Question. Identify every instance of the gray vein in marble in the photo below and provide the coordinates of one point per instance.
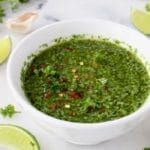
(41, 4)
(51, 18)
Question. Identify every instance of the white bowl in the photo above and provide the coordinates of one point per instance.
(79, 133)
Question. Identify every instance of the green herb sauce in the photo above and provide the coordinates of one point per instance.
(86, 80)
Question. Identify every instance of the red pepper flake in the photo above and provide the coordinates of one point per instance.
(76, 95)
(102, 109)
(72, 114)
(49, 82)
(105, 88)
(64, 90)
(53, 106)
(42, 66)
(68, 49)
(47, 95)
(90, 109)
(58, 66)
(89, 87)
(32, 68)
(63, 79)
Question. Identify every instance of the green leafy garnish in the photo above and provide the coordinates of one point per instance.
(49, 70)
(8, 111)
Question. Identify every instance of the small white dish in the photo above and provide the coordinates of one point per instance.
(78, 133)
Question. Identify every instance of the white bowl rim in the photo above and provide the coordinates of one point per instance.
(32, 109)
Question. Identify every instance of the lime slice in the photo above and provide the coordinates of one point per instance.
(141, 20)
(16, 138)
(5, 48)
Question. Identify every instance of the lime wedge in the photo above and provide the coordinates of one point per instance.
(141, 20)
(5, 48)
(16, 138)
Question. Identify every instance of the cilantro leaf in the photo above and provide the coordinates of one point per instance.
(8, 111)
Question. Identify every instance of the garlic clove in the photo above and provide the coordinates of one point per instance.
(23, 23)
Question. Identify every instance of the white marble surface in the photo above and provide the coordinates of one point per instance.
(57, 10)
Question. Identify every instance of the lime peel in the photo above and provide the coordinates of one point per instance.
(5, 48)
(17, 138)
(141, 20)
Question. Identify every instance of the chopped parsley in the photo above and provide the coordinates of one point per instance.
(86, 80)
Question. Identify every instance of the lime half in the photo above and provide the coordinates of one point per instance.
(16, 138)
(5, 48)
(141, 20)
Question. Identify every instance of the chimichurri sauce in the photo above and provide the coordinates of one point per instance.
(86, 80)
